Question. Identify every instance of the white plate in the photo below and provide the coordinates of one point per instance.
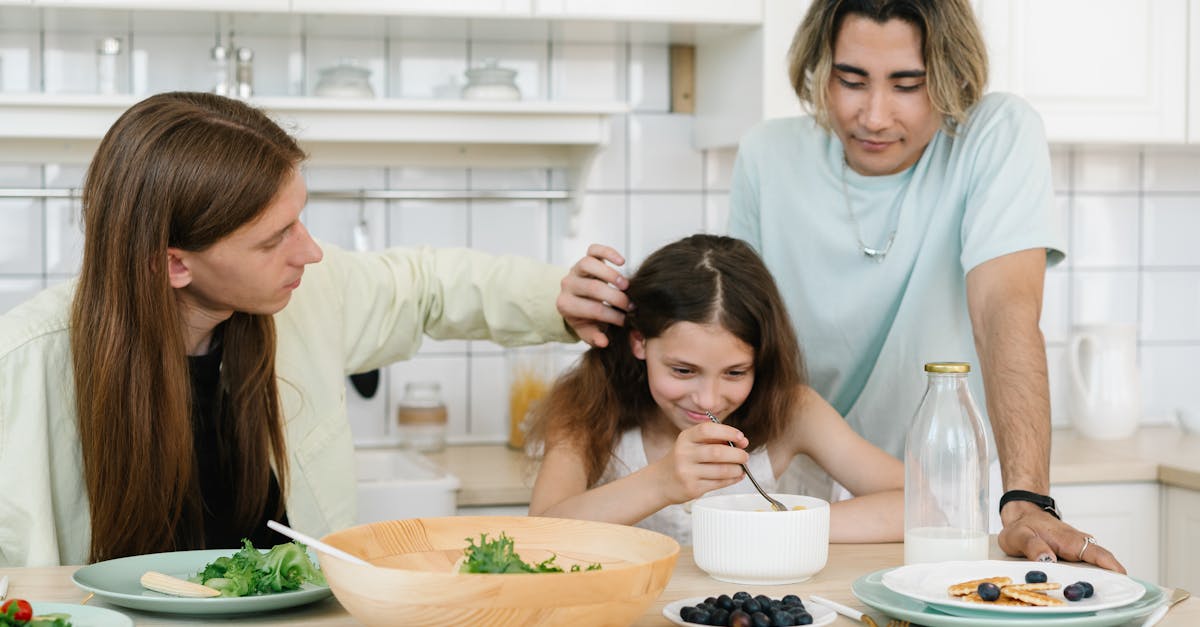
(928, 583)
(83, 615)
(821, 614)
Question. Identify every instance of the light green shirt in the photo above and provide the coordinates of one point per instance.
(868, 328)
(353, 312)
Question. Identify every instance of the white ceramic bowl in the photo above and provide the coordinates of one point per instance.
(737, 538)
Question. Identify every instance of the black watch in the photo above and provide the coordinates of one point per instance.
(1041, 500)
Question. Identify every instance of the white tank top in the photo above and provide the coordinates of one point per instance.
(629, 456)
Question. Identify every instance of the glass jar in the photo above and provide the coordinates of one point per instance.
(530, 374)
(491, 82)
(344, 80)
(422, 416)
(946, 472)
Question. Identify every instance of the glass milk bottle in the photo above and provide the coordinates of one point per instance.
(946, 472)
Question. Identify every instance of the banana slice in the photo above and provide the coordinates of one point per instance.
(175, 586)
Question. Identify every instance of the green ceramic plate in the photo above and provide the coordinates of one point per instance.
(83, 615)
(117, 582)
(870, 590)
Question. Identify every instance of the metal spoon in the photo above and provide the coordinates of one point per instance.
(775, 505)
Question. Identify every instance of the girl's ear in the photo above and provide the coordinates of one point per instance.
(637, 344)
(177, 271)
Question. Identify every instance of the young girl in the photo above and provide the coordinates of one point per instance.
(626, 435)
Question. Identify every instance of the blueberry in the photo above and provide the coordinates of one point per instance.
(687, 613)
(1073, 592)
(719, 617)
(782, 618)
(711, 600)
(988, 591)
(724, 602)
(1088, 590)
(741, 594)
(803, 618)
(738, 618)
(775, 604)
(751, 606)
(791, 599)
(758, 619)
(1035, 576)
(697, 615)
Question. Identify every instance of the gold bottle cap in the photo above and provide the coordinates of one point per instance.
(948, 367)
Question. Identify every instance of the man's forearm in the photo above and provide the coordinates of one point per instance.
(1012, 353)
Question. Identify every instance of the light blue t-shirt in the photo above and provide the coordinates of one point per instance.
(867, 328)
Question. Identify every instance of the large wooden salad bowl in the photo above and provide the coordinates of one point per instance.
(413, 578)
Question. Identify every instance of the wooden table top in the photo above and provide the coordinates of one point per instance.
(846, 563)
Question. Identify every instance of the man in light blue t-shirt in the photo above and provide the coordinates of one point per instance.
(908, 220)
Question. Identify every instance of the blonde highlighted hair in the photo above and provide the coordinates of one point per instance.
(952, 45)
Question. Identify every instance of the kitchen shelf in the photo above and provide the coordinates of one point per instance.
(382, 132)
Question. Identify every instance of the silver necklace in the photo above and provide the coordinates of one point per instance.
(875, 254)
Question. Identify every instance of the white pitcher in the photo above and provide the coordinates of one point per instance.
(1106, 398)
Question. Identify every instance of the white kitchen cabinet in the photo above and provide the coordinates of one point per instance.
(682, 11)
(1096, 70)
(1123, 517)
(276, 6)
(1181, 546)
(468, 8)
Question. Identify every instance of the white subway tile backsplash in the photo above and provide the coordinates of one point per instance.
(21, 238)
(588, 72)
(64, 175)
(716, 213)
(1056, 364)
(423, 68)
(1104, 231)
(369, 416)
(659, 219)
(601, 221)
(489, 398)
(1104, 296)
(20, 175)
(718, 168)
(1106, 170)
(661, 156)
(1170, 227)
(349, 225)
(1056, 312)
(20, 62)
(70, 61)
(512, 227)
(1172, 170)
(173, 62)
(428, 223)
(1169, 380)
(64, 236)
(649, 77)
(1060, 168)
(1171, 306)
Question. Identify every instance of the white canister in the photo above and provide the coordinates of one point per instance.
(1106, 397)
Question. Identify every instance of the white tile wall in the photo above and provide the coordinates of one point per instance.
(1131, 214)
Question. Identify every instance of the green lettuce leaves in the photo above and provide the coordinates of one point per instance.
(250, 571)
(498, 556)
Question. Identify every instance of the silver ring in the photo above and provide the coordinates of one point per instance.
(1087, 541)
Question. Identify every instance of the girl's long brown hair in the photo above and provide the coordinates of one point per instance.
(705, 279)
(181, 170)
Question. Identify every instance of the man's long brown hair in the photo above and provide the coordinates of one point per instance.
(176, 170)
(704, 279)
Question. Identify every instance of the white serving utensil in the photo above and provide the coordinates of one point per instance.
(844, 610)
(315, 543)
(3, 587)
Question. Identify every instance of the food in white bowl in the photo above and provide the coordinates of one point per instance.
(736, 539)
